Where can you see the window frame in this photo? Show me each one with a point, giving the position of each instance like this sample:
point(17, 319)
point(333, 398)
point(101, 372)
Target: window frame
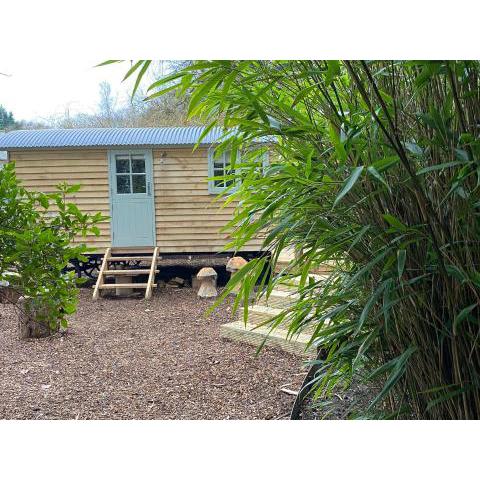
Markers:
point(212, 188)
point(130, 174)
point(225, 158)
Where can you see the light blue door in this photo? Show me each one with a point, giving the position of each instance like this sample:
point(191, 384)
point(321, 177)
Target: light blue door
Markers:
point(131, 198)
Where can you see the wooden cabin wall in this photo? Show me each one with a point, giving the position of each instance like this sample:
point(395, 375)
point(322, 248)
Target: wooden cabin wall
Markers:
point(187, 217)
point(42, 170)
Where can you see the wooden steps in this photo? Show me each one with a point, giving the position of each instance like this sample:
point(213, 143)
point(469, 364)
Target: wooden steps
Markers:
point(125, 272)
point(278, 338)
point(279, 299)
point(256, 332)
point(258, 314)
point(291, 284)
point(120, 258)
point(107, 286)
point(257, 329)
point(137, 271)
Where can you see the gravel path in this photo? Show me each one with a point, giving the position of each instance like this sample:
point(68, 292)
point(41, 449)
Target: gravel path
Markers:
point(131, 359)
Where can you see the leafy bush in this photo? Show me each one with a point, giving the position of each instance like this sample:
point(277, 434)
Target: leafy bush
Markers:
point(375, 167)
point(36, 235)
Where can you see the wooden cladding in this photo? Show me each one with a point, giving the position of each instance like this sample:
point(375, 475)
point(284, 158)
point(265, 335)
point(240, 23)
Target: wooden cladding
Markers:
point(42, 170)
point(187, 218)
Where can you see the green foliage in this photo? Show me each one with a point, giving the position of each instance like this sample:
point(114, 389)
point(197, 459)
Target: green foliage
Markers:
point(6, 119)
point(36, 235)
point(374, 169)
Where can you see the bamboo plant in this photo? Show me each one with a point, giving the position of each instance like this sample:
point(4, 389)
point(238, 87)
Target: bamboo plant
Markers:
point(374, 168)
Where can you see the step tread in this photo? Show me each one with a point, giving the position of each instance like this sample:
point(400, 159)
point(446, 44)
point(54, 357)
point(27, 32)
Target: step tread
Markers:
point(277, 332)
point(271, 311)
point(283, 294)
point(138, 271)
point(256, 335)
point(106, 286)
point(130, 257)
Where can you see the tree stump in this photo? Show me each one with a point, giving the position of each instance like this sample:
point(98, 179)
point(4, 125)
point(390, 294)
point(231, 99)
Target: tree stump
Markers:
point(32, 321)
point(8, 295)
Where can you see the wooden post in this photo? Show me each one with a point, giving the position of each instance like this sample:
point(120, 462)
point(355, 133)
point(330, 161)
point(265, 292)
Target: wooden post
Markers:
point(123, 292)
point(151, 276)
point(100, 279)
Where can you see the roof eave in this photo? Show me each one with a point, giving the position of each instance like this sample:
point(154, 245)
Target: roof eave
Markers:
point(105, 147)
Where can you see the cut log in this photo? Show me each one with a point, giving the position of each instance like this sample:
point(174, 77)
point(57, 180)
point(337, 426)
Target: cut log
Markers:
point(31, 321)
point(176, 282)
point(9, 295)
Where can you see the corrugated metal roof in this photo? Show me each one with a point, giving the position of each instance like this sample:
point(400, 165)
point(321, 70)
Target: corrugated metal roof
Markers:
point(107, 137)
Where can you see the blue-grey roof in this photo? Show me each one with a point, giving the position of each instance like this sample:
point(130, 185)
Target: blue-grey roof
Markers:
point(107, 137)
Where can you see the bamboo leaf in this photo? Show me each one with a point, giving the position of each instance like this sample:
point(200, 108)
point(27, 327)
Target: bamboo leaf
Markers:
point(349, 183)
point(368, 306)
point(401, 257)
point(385, 163)
point(441, 166)
point(396, 369)
point(462, 315)
point(333, 71)
point(394, 222)
point(374, 172)
point(143, 70)
point(132, 69)
point(108, 62)
point(337, 143)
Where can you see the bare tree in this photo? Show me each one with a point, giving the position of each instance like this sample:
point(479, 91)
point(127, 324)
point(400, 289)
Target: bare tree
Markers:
point(107, 105)
point(167, 110)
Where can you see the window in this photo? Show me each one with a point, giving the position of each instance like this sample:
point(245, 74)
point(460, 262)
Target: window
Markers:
point(219, 166)
point(130, 173)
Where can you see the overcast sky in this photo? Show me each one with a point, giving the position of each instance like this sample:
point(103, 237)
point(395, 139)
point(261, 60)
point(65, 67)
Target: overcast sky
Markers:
point(38, 89)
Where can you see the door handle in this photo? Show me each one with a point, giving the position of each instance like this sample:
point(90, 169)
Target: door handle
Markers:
point(149, 190)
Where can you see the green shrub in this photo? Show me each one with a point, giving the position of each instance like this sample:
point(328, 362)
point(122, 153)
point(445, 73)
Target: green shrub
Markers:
point(36, 246)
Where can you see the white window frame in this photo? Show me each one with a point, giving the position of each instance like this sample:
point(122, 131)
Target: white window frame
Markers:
point(225, 159)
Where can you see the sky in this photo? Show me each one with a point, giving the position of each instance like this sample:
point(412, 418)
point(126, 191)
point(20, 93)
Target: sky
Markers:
point(41, 89)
